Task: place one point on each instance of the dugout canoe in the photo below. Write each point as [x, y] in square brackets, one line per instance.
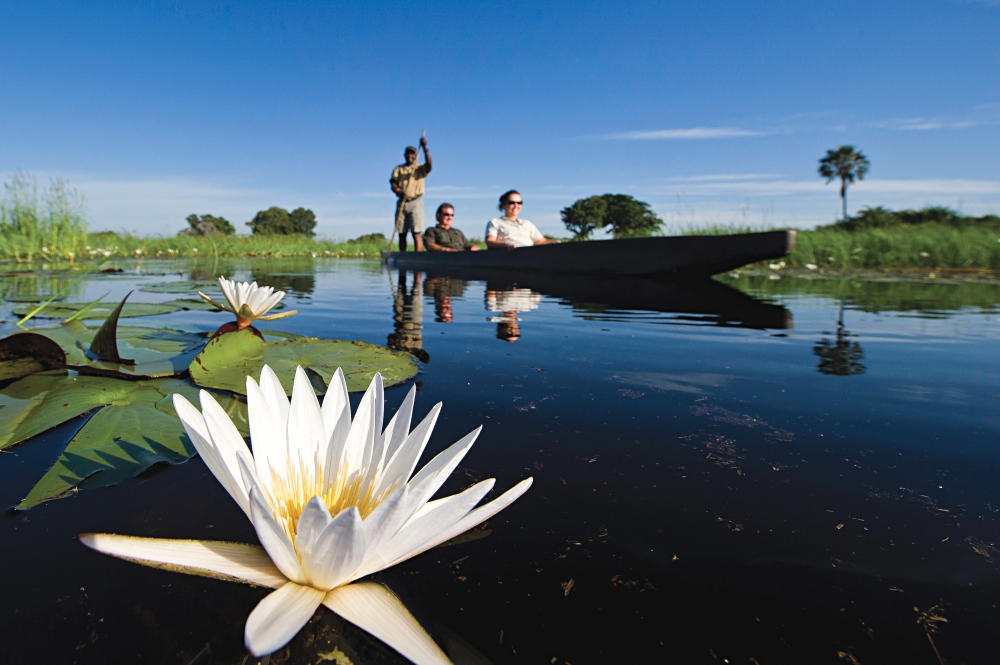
[667, 257]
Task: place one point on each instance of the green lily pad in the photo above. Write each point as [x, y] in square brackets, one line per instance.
[228, 359]
[158, 352]
[201, 305]
[64, 310]
[26, 353]
[135, 427]
[182, 287]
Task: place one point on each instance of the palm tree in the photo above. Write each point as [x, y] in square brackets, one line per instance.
[845, 163]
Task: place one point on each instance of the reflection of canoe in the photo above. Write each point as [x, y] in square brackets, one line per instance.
[698, 300]
[672, 256]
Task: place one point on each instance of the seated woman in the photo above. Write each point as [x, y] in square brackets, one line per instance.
[443, 238]
[510, 231]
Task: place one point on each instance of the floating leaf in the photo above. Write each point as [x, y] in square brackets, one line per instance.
[181, 287]
[105, 342]
[98, 312]
[158, 352]
[228, 359]
[135, 428]
[86, 309]
[26, 353]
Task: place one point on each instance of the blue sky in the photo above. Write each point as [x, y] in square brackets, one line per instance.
[712, 112]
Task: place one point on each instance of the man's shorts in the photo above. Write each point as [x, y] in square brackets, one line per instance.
[412, 220]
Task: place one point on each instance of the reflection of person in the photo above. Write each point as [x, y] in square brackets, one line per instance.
[408, 316]
[443, 289]
[508, 303]
[407, 182]
[443, 238]
[510, 231]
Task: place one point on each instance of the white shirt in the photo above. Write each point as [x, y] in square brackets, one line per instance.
[514, 300]
[518, 232]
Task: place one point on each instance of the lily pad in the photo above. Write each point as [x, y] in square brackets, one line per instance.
[26, 353]
[64, 310]
[228, 359]
[182, 287]
[132, 430]
[158, 352]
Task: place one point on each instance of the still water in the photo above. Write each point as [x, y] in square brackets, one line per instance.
[744, 471]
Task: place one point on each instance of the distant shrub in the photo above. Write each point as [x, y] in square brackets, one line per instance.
[278, 221]
[208, 225]
[371, 238]
[881, 218]
[626, 217]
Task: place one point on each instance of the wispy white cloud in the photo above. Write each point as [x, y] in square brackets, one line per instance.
[692, 134]
[922, 124]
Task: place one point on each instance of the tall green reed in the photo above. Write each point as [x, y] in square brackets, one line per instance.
[46, 225]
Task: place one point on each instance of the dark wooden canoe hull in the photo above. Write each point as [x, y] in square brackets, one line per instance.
[653, 257]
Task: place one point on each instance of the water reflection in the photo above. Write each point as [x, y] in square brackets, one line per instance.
[705, 302]
[408, 317]
[298, 284]
[442, 290]
[508, 303]
[840, 356]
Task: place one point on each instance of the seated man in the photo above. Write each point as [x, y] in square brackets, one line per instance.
[443, 238]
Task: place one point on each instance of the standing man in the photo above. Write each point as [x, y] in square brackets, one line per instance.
[407, 183]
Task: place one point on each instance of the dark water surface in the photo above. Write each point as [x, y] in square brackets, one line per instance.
[805, 477]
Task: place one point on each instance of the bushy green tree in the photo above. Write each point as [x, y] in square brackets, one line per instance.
[627, 217]
[278, 221]
[205, 225]
[847, 164]
[303, 221]
[585, 216]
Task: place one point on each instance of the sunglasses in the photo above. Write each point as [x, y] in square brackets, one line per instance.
[515, 203]
[445, 214]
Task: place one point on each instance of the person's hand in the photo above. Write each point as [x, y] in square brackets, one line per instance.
[474, 248]
[423, 143]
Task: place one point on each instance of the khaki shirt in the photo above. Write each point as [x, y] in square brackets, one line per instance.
[410, 179]
[450, 238]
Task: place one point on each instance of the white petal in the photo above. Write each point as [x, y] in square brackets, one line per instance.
[376, 610]
[430, 478]
[474, 518]
[229, 291]
[336, 420]
[267, 436]
[418, 531]
[314, 520]
[375, 453]
[305, 422]
[269, 302]
[279, 617]
[226, 438]
[399, 427]
[339, 551]
[274, 539]
[237, 562]
[275, 395]
[388, 517]
[402, 463]
[197, 431]
[359, 439]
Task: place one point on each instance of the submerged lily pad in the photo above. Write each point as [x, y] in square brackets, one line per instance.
[228, 359]
[64, 310]
[182, 287]
[135, 427]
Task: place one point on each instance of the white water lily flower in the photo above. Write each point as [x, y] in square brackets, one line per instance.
[331, 499]
[248, 302]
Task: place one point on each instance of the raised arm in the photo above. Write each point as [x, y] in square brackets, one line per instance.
[428, 162]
